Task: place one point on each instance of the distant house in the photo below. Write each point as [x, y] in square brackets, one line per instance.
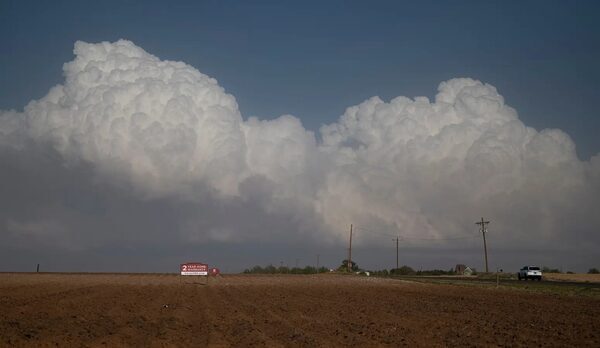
[463, 270]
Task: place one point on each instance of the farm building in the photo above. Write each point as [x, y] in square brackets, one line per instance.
[463, 270]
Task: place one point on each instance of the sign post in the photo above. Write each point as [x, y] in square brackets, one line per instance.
[194, 269]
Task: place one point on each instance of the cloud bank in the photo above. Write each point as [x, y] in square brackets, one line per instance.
[134, 150]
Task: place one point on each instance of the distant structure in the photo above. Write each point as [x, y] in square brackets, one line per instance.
[463, 270]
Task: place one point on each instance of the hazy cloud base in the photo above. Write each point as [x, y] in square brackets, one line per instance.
[147, 161]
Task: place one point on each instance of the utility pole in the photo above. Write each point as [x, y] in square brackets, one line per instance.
[483, 231]
[318, 263]
[349, 264]
[397, 239]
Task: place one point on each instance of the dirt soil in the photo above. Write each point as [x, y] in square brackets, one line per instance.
[321, 310]
[577, 277]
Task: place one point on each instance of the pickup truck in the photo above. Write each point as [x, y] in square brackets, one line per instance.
[530, 272]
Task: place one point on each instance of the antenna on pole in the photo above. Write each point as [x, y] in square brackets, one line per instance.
[483, 231]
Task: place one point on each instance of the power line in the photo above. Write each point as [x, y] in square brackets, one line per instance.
[456, 237]
[441, 239]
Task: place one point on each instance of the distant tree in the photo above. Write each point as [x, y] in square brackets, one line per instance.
[309, 270]
[255, 269]
[344, 266]
[546, 269]
[270, 269]
[404, 270]
[323, 270]
[433, 272]
[383, 273]
[593, 271]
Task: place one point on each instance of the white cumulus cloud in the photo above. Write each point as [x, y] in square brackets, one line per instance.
[409, 167]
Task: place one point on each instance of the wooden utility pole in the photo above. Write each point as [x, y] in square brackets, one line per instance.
[483, 231]
[397, 239]
[350, 251]
[318, 263]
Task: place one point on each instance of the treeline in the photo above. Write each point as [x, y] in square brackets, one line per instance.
[401, 271]
[270, 269]
[407, 270]
[546, 269]
[404, 270]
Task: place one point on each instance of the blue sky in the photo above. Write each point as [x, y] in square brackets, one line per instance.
[313, 59]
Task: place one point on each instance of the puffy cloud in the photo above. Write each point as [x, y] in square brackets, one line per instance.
[420, 168]
[154, 136]
[162, 123]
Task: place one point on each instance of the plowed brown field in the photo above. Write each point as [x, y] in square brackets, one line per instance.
[324, 310]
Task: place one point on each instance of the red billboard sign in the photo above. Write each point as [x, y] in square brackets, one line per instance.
[194, 268]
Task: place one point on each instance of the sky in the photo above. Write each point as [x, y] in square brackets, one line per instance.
[137, 135]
